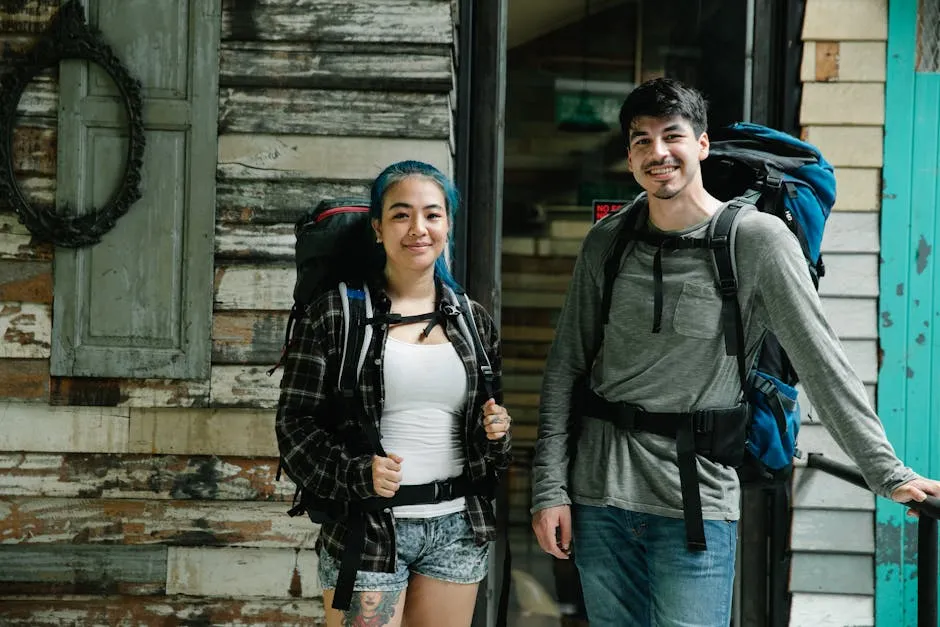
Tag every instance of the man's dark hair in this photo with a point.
(664, 98)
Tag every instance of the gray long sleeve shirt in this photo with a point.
(684, 368)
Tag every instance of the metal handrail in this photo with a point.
(929, 511)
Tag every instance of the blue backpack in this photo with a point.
(749, 164)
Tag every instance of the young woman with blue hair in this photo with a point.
(421, 384)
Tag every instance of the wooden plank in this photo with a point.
(852, 318)
(304, 65)
(35, 427)
(24, 379)
(212, 431)
(113, 392)
(44, 610)
(827, 60)
(859, 189)
(843, 103)
(531, 282)
(122, 476)
(394, 21)
(26, 281)
(34, 151)
(28, 520)
(814, 489)
(254, 287)
(88, 569)
(27, 17)
(245, 386)
(850, 275)
(278, 201)
(531, 300)
(528, 264)
(16, 242)
(25, 330)
(40, 100)
(831, 610)
(834, 20)
(527, 334)
(852, 232)
(334, 112)
(247, 337)
(832, 573)
(851, 146)
(255, 242)
(533, 316)
(828, 531)
(274, 573)
(309, 157)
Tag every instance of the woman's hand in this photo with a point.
(386, 474)
(496, 420)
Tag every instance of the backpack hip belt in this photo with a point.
(715, 434)
(427, 493)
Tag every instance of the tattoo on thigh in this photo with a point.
(371, 609)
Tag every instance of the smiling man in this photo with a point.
(614, 487)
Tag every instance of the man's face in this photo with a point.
(664, 155)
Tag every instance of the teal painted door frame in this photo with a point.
(908, 390)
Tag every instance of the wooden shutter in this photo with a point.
(139, 304)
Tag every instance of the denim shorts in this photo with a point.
(441, 548)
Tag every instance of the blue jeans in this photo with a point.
(636, 570)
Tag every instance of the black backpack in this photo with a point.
(333, 249)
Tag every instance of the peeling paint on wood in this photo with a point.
(146, 522)
(382, 67)
(25, 330)
(923, 254)
(241, 572)
(827, 60)
(16, 242)
(393, 21)
(273, 202)
(23, 380)
(38, 427)
(122, 476)
(98, 568)
(30, 16)
(40, 101)
(245, 386)
(26, 281)
(254, 287)
(108, 392)
(247, 337)
(106, 611)
(34, 151)
(262, 242)
(308, 157)
(212, 431)
(334, 113)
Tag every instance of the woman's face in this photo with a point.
(414, 225)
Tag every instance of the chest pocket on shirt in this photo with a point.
(698, 312)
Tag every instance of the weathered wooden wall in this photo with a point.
(842, 112)
(145, 501)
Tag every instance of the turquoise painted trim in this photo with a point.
(908, 403)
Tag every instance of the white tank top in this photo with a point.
(425, 394)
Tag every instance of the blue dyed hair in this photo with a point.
(398, 172)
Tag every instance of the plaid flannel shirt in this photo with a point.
(324, 450)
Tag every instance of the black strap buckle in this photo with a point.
(703, 421)
(450, 310)
(444, 491)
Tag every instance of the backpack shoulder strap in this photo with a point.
(623, 240)
(468, 327)
(357, 339)
(721, 238)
